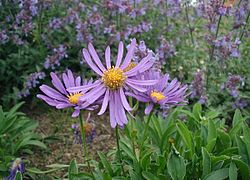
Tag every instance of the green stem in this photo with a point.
(213, 48)
(189, 26)
(243, 31)
(118, 148)
(84, 143)
(146, 128)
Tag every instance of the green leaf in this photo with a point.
(242, 149)
(197, 110)
(243, 167)
(237, 123)
(206, 162)
(149, 176)
(237, 117)
(14, 109)
(18, 176)
(176, 166)
(106, 164)
(73, 169)
(212, 136)
(186, 136)
(218, 175)
(233, 171)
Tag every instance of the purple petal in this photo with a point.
(104, 103)
(149, 108)
(112, 111)
(90, 63)
(163, 83)
(120, 54)
(107, 57)
(129, 54)
(140, 65)
(71, 79)
(76, 113)
(66, 80)
(52, 93)
(84, 87)
(138, 97)
(117, 108)
(48, 100)
(135, 87)
(78, 81)
(96, 57)
(124, 100)
(57, 83)
(94, 94)
(64, 105)
(142, 82)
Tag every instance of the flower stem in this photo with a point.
(189, 26)
(118, 148)
(84, 143)
(146, 128)
(245, 25)
(212, 50)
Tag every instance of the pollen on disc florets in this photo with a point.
(157, 95)
(113, 78)
(130, 66)
(74, 98)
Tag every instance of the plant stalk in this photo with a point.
(118, 148)
(84, 143)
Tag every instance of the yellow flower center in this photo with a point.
(157, 95)
(74, 98)
(130, 66)
(113, 78)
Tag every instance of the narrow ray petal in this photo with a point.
(90, 62)
(104, 103)
(120, 54)
(95, 57)
(129, 54)
(57, 83)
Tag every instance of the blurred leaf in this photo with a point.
(73, 169)
(212, 136)
(206, 162)
(218, 175)
(232, 171)
(18, 176)
(176, 166)
(106, 164)
(186, 136)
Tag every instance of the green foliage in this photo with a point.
(201, 147)
(16, 136)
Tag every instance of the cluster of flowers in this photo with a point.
(198, 87)
(233, 84)
(54, 59)
(31, 82)
(115, 82)
(227, 47)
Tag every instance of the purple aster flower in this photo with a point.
(60, 97)
(165, 93)
(114, 81)
(17, 166)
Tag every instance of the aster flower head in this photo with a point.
(60, 98)
(165, 93)
(114, 81)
